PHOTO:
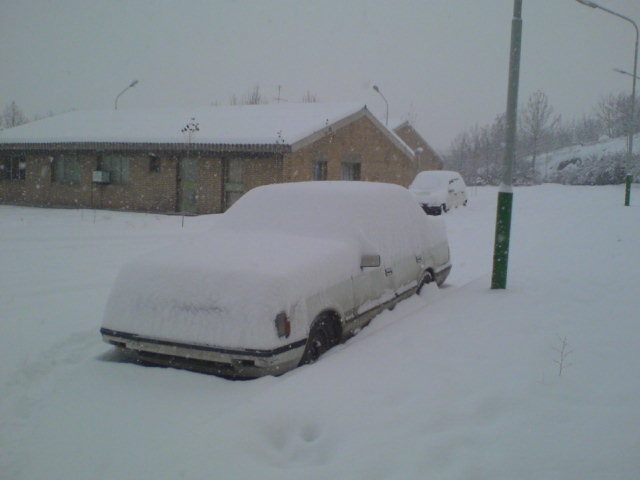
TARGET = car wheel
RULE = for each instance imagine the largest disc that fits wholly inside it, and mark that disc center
(444, 207)
(427, 278)
(321, 338)
(464, 203)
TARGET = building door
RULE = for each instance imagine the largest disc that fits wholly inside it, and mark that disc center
(233, 181)
(188, 185)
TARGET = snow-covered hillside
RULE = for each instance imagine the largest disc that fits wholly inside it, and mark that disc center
(461, 382)
(597, 163)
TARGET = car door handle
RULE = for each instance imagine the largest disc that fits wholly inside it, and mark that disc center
(388, 272)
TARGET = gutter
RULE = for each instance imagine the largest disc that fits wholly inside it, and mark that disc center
(46, 147)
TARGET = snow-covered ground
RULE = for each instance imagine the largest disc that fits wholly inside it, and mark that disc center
(461, 382)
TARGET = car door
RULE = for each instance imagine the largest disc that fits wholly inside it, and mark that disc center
(404, 272)
(371, 287)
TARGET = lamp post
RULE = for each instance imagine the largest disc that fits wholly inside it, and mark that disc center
(634, 75)
(131, 85)
(505, 193)
(624, 72)
(386, 118)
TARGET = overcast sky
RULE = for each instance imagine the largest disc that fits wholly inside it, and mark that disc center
(444, 62)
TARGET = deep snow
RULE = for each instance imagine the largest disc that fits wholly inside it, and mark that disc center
(458, 383)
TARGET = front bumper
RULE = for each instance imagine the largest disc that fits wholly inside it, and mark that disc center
(235, 363)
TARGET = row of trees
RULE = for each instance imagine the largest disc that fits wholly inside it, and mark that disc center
(478, 152)
(255, 97)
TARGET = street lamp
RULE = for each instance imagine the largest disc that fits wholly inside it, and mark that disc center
(634, 75)
(386, 118)
(624, 72)
(505, 193)
(131, 85)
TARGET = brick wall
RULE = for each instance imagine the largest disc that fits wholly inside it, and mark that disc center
(263, 171)
(209, 185)
(38, 187)
(145, 191)
(381, 160)
(426, 157)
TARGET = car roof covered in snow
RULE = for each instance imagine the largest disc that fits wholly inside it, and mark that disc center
(383, 218)
(434, 178)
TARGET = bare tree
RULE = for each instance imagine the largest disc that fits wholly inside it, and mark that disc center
(563, 352)
(309, 97)
(611, 112)
(253, 97)
(12, 116)
(537, 122)
(614, 111)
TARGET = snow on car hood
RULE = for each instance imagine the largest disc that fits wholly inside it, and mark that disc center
(225, 289)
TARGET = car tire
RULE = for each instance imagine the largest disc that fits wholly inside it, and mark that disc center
(322, 337)
(444, 207)
(464, 203)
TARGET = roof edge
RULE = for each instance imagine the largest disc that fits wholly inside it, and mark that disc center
(391, 135)
(328, 129)
(143, 146)
(363, 112)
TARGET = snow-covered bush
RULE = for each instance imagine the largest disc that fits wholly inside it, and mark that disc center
(592, 170)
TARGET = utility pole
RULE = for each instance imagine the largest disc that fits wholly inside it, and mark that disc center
(505, 193)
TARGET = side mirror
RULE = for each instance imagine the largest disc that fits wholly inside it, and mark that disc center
(370, 261)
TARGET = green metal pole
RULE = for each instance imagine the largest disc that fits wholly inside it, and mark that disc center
(505, 194)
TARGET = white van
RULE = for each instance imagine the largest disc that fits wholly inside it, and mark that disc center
(438, 190)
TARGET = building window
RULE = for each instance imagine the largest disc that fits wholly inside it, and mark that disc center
(13, 169)
(233, 181)
(154, 163)
(320, 170)
(66, 170)
(351, 170)
(117, 166)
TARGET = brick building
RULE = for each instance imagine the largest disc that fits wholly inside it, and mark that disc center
(425, 157)
(197, 161)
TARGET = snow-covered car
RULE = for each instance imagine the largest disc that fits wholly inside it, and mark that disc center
(289, 271)
(439, 190)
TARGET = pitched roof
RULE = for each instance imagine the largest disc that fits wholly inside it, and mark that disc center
(284, 124)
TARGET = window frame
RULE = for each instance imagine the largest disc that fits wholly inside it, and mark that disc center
(351, 170)
(155, 165)
(13, 168)
(66, 170)
(118, 166)
(319, 169)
